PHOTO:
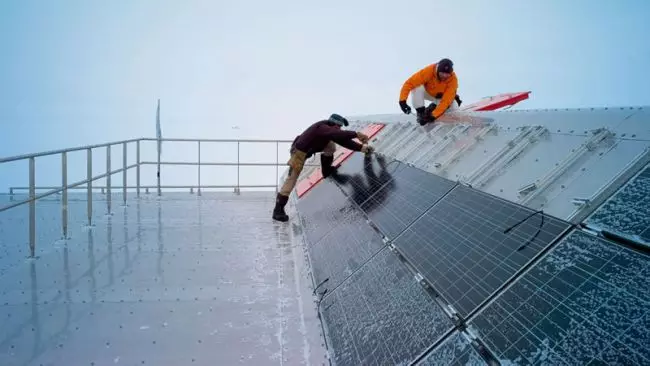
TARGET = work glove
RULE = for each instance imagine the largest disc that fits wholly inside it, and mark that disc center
(405, 107)
(367, 149)
(362, 137)
(426, 118)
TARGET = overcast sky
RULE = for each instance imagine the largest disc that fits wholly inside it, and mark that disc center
(80, 72)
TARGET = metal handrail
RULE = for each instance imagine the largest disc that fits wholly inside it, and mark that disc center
(60, 151)
(64, 187)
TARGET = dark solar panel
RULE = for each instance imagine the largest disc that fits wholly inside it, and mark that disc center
(362, 175)
(456, 350)
(587, 302)
(381, 315)
(407, 196)
(343, 250)
(627, 211)
(323, 208)
(460, 246)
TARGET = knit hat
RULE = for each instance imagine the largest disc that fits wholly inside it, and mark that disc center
(445, 65)
(338, 119)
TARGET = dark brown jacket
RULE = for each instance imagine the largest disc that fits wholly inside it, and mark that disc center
(316, 137)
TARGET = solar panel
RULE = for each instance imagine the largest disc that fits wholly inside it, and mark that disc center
(587, 301)
(323, 208)
(343, 250)
(362, 175)
(627, 211)
(460, 247)
(456, 350)
(407, 196)
(381, 315)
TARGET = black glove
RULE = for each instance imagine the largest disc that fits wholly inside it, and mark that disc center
(458, 100)
(405, 107)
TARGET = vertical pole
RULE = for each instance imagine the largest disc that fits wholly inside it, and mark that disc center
(158, 174)
(199, 189)
(89, 158)
(32, 206)
(108, 179)
(124, 151)
(64, 183)
(237, 167)
(137, 167)
(277, 165)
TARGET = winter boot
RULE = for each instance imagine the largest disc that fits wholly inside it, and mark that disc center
(278, 211)
(326, 165)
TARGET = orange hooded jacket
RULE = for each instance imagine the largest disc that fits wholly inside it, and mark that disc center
(429, 77)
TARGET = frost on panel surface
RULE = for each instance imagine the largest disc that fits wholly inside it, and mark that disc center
(381, 316)
(322, 209)
(587, 301)
(628, 211)
(456, 350)
(343, 250)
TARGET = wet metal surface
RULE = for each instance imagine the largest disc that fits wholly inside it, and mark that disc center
(177, 281)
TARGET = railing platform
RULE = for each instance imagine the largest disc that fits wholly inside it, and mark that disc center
(176, 279)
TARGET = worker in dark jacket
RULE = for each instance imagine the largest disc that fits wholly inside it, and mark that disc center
(319, 137)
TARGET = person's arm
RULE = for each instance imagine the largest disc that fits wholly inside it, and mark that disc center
(417, 79)
(343, 138)
(447, 97)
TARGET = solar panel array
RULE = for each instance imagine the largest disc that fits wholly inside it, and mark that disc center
(460, 246)
(628, 211)
(408, 259)
(381, 316)
(409, 194)
(587, 301)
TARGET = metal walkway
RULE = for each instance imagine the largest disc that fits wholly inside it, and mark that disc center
(171, 280)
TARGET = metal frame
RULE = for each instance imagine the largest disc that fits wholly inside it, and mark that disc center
(88, 182)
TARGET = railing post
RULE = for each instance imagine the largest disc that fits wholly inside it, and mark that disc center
(108, 179)
(137, 167)
(124, 151)
(277, 165)
(237, 167)
(89, 158)
(199, 189)
(158, 173)
(64, 183)
(32, 206)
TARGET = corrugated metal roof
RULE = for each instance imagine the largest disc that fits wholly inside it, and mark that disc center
(554, 159)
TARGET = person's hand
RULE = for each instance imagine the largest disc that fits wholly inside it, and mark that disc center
(426, 119)
(362, 137)
(367, 149)
(405, 107)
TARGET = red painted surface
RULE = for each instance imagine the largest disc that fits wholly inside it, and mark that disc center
(496, 102)
(340, 156)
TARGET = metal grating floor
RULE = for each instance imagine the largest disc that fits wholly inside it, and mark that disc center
(181, 280)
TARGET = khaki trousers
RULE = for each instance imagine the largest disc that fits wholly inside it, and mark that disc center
(296, 163)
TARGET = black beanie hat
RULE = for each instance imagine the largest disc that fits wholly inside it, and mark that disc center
(445, 65)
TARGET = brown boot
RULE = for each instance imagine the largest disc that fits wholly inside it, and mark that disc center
(278, 211)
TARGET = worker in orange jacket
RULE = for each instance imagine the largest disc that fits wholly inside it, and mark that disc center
(436, 83)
